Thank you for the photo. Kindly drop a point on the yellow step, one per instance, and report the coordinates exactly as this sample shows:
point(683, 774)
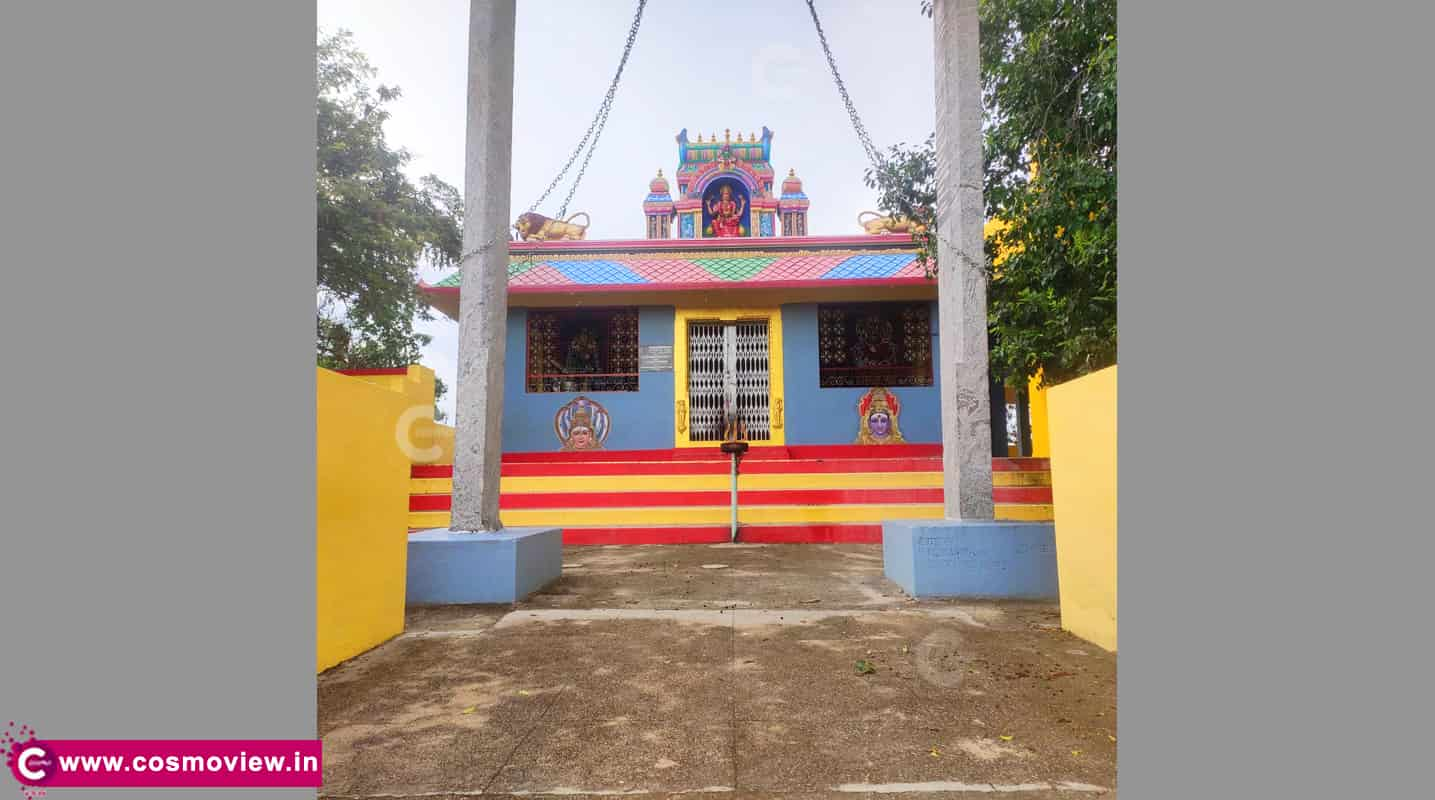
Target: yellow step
point(693, 483)
point(718, 515)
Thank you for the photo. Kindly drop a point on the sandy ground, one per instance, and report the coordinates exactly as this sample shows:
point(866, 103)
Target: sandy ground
point(698, 669)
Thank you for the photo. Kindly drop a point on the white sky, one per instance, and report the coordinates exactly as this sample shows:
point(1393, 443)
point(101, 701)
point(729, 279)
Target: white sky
point(704, 66)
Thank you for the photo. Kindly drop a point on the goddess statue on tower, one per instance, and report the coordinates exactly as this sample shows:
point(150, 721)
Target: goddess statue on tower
point(726, 213)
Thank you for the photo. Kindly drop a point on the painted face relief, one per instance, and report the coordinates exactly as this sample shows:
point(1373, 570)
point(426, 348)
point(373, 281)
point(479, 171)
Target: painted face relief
point(581, 424)
point(880, 424)
point(878, 412)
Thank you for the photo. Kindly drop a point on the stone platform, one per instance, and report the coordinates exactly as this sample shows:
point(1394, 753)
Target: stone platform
point(971, 559)
point(446, 568)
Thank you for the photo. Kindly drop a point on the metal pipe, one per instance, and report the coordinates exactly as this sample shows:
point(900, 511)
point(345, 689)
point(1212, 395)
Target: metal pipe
point(734, 497)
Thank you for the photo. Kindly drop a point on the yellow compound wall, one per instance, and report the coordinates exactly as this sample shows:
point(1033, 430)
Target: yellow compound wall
point(363, 495)
point(1040, 430)
point(429, 442)
point(1082, 420)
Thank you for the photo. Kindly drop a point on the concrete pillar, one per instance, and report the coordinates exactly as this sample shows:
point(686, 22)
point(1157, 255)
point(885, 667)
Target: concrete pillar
point(962, 287)
point(483, 292)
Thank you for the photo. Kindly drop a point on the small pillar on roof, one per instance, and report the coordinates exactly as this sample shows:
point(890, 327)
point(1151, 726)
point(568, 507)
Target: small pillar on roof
point(658, 207)
point(792, 206)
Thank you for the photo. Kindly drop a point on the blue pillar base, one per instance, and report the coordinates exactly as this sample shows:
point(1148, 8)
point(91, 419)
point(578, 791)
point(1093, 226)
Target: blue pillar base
point(448, 568)
point(972, 559)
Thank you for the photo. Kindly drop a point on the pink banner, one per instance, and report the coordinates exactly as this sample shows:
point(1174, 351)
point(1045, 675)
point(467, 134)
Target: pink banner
point(160, 763)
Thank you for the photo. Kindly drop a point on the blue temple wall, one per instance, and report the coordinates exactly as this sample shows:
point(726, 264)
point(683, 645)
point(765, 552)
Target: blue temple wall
point(829, 416)
point(641, 420)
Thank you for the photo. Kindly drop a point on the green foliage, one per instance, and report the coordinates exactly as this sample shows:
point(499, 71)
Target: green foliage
point(1049, 77)
point(374, 224)
point(1049, 100)
point(439, 390)
point(906, 184)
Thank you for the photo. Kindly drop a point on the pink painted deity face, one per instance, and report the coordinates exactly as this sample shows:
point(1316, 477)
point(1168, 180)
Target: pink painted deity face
point(726, 193)
point(880, 424)
point(581, 438)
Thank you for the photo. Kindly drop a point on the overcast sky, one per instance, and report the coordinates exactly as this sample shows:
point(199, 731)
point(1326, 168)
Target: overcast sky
point(704, 66)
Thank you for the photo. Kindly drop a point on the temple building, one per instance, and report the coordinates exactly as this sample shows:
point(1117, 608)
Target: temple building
point(629, 362)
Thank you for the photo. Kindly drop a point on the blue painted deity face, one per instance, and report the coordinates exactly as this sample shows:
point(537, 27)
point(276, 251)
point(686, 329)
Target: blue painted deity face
point(880, 424)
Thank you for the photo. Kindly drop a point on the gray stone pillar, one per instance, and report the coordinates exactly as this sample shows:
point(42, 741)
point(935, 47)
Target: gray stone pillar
point(483, 293)
point(962, 287)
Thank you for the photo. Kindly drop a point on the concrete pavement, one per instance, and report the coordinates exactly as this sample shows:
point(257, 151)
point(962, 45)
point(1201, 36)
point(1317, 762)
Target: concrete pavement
point(665, 670)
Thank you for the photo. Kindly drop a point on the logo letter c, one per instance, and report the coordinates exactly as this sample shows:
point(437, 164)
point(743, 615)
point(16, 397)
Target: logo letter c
point(22, 763)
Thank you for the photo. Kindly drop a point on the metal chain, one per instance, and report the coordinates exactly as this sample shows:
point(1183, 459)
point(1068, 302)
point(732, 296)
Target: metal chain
point(857, 125)
point(601, 118)
point(872, 153)
point(595, 130)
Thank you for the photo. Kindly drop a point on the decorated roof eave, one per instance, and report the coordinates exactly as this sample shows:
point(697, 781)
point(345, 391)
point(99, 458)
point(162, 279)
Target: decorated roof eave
point(776, 244)
point(822, 252)
point(691, 286)
point(446, 298)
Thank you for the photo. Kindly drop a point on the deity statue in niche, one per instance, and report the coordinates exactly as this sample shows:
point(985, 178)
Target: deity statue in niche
point(582, 355)
point(726, 213)
point(581, 424)
point(877, 417)
point(875, 345)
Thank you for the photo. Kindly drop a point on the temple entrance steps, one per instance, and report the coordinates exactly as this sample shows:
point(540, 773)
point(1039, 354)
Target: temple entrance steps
point(826, 493)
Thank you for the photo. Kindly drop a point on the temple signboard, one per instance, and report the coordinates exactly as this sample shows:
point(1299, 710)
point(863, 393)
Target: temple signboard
point(655, 358)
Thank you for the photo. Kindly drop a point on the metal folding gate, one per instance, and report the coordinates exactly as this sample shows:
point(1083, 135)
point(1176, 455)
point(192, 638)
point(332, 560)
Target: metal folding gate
point(728, 377)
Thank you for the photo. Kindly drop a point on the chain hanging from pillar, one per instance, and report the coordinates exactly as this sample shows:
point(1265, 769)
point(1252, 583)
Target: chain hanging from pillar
point(873, 155)
point(589, 140)
point(600, 119)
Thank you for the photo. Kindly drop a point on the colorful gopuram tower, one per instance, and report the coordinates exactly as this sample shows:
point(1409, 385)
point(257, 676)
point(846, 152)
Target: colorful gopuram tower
point(724, 189)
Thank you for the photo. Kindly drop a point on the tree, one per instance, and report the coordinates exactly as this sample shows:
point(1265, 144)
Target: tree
point(1049, 108)
point(374, 225)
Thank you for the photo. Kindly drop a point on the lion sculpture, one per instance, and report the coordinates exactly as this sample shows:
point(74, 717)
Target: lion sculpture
point(533, 227)
point(874, 223)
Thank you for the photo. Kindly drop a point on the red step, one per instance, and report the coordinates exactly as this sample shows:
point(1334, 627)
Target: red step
point(521, 466)
point(754, 497)
point(713, 534)
point(756, 452)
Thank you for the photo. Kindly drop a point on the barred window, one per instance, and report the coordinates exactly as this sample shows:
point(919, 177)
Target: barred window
point(874, 344)
point(583, 350)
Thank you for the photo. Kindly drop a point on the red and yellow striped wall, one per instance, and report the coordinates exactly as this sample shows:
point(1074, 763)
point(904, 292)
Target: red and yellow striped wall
point(837, 493)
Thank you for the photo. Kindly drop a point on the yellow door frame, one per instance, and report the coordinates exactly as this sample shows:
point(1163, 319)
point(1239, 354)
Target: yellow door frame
point(773, 316)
